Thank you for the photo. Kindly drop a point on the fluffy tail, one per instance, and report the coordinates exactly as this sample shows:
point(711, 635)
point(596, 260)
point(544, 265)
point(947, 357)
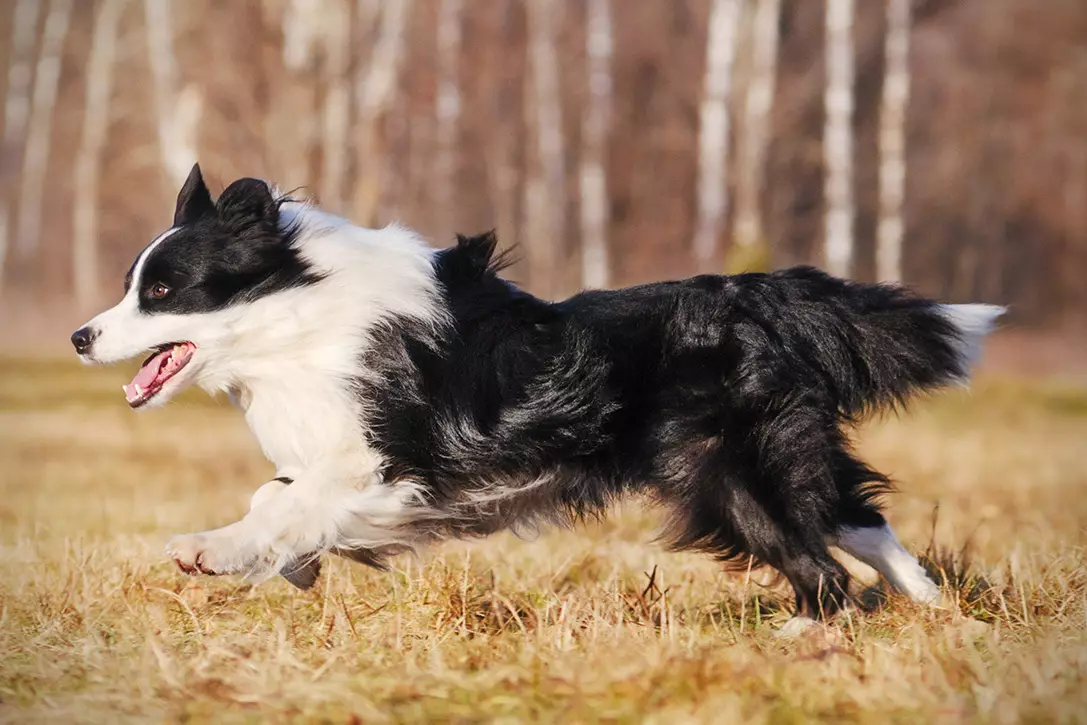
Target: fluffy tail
point(875, 345)
point(972, 323)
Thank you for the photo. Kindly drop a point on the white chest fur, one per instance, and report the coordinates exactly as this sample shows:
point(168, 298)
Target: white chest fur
point(302, 419)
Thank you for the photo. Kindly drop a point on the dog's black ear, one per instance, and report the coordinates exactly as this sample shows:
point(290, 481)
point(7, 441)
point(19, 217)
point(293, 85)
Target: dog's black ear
point(194, 199)
point(247, 205)
point(477, 251)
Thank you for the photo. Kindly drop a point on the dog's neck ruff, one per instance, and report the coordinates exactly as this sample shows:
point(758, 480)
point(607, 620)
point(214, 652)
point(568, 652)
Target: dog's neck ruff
point(295, 357)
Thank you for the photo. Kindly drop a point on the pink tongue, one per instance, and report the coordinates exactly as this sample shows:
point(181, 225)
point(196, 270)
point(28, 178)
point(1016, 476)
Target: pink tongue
point(146, 375)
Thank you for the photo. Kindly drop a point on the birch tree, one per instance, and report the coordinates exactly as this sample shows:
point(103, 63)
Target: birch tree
point(177, 114)
point(546, 200)
point(374, 89)
point(292, 121)
point(756, 128)
point(448, 107)
point(504, 148)
point(838, 138)
point(39, 135)
point(88, 164)
point(17, 100)
point(336, 114)
point(713, 129)
point(892, 142)
point(594, 128)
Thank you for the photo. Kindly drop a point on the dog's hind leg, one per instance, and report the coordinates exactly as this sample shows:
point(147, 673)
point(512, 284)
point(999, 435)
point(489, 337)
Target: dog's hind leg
point(878, 547)
point(863, 533)
point(788, 472)
point(721, 513)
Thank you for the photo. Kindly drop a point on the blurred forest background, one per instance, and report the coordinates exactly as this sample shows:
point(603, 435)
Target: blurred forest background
point(939, 142)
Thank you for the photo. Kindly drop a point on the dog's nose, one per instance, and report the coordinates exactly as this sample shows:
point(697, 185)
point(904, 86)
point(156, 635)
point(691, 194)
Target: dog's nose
point(82, 339)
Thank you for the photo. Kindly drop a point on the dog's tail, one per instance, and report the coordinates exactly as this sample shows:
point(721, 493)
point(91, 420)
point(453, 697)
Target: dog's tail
point(874, 345)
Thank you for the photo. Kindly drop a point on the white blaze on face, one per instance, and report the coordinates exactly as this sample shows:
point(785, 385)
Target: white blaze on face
point(123, 331)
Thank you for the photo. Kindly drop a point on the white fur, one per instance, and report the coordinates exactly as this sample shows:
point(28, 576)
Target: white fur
point(878, 547)
point(974, 322)
point(288, 360)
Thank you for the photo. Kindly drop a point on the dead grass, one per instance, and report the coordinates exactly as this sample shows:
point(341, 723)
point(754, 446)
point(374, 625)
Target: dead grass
point(595, 625)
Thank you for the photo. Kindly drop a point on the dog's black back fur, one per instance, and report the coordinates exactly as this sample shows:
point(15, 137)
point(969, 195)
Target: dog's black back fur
point(724, 397)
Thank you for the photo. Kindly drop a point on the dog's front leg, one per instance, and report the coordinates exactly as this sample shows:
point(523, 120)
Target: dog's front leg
point(324, 507)
point(304, 572)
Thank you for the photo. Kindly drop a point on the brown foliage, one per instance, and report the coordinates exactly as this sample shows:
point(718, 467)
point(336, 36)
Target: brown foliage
point(996, 203)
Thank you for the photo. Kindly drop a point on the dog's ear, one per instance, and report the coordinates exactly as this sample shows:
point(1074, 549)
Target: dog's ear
point(247, 207)
point(477, 252)
point(194, 199)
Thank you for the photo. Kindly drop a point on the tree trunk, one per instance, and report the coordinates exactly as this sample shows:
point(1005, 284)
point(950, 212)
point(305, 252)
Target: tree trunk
point(756, 128)
point(505, 62)
point(595, 266)
point(546, 201)
point(448, 106)
point(96, 120)
point(40, 131)
point(375, 87)
point(16, 103)
point(291, 125)
point(838, 138)
point(176, 114)
point(336, 32)
point(892, 142)
point(713, 129)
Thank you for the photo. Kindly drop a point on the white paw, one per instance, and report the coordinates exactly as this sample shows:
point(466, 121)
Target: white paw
point(795, 627)
point(213, 553)
point(924, 591)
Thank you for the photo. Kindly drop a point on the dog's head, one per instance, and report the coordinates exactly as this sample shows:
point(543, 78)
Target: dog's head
point(184, 292)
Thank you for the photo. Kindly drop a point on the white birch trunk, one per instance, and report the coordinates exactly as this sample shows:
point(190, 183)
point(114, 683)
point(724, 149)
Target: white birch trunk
point(40, 130)
point(756, 128)
point(713, 129)
point(448, 103)
point(176, 114)
point(17, 100)
point(301, 30)
point(595, 265)
point(367, 12)
point(892, 143)
point(546, 202)
point(838, 138)
point(96, 119)
point(505, 173)
point(375, 86)
point(336, 114)
point(293, 124)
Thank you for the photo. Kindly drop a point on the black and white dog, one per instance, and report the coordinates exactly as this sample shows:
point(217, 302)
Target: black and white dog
point(407, 394)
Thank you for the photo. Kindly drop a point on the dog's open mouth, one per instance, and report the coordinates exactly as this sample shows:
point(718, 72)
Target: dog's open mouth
point(166, 362)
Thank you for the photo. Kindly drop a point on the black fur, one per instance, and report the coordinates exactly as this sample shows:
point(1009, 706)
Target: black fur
point(724, 397)
point(224, 252)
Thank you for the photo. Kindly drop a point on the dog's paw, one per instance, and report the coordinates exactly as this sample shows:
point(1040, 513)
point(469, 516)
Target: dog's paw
point(302, 575)
point(189, 553)
point(208, 553)
point(927, 593)
point(795, 627)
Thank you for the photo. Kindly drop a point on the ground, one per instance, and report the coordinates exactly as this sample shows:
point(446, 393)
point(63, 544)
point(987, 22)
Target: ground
point(592, 625)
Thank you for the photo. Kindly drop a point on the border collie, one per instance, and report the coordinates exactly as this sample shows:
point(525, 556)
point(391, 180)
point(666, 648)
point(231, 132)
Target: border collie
point(407, 394)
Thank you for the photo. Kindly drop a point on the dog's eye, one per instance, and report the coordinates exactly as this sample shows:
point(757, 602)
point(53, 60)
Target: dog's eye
point(159, 291)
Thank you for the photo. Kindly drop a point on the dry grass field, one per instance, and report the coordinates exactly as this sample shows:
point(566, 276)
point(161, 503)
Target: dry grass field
point(592, 625)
